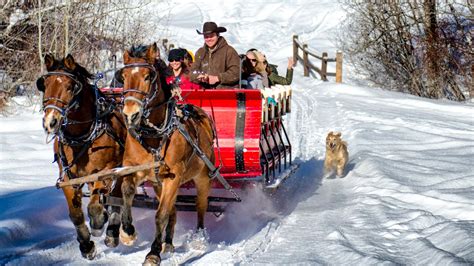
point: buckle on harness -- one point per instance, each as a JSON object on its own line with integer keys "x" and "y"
{"x": 213, "y": 173}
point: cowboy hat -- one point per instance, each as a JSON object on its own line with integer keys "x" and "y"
{"x": 210, "y": 27}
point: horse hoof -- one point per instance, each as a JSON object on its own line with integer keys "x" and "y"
{"x": 152, "y": 260}
{"x": 88, "y": 251}
{"x": 167, "y": 248}
{"x": 97, "y": 232}
{"x": 111, "y": 242}
{"x": 126, "y": 239}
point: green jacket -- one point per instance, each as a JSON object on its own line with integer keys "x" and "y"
{"x": 274, "y": 79}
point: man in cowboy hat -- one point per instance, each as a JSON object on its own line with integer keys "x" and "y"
{"x": 216, "y": 62}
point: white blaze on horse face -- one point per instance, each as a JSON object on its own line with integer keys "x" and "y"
{"x": 132, "y": 106}
{"x": 51, "y": 120}
{"x": 59, "y": 80}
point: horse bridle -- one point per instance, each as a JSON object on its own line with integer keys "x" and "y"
{"x": 167, "y": 126}
{"x": 65, "y": 106}
{"x": 148, "y": 96}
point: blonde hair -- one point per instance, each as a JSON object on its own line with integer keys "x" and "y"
{"x": 259, "y": 67}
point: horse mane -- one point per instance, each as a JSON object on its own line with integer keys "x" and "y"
{"x": 138, "y": 51}
{"x": 82, "y": 72}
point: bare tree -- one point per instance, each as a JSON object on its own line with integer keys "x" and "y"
{"x": 423, "y": 47}
{"x": 91, "y": 30}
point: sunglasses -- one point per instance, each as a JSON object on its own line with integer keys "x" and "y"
{"x": 174, "y": 60}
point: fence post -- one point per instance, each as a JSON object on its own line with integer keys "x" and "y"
{"x": 324, "y": 67}
{"x": 295, "y": 49}
{"x": 339, "y": 67}
{"x": 305, "y": 60}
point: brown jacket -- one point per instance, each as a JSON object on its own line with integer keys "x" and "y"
{"x": 223, "y": 61}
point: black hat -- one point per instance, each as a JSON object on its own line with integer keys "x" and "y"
{"x": 210, "y": 27}
{"x": 176, "y": 54}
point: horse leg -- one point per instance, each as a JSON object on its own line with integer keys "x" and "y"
{"x": 168, "y": 245}
{"x": 98, "y": 215}
{"x": 162, "y": 218}
{"x": 113, "y": 228}
{"x": 74, "y": 202}
{"x": 112, "y": 233}
{"x": 203, "y": 186}
{"x": 128, "y": 235}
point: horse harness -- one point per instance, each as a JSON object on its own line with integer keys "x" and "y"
{"x": 98, "y": 128}
{"x": 175, "y": 114}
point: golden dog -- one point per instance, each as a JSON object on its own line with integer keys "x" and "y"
{"x": 336, "y": 154}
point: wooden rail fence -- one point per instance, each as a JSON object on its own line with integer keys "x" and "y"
{"x": 307, "y": 65}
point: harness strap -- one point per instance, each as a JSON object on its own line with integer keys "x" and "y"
{"x": 150, "y": 130}
{"x": 157, "y": 152}
{"x": 133, "y": 99}
{"x": 215, "y": 135}
{"x": 97, "y": 129}
{"x": 109, "y": 110}
{"x": 136, "y": 136}
{"x": 213, "y": 171}
{"x": 109, "y": 131}
{"x": 54, "y": 107}
{"x": 66, "y": 168}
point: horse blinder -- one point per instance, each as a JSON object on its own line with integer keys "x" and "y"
{"x": 40, "y": 84}
{"x": 41, "y": 87}
{"x": 118, "y": 76}
{"x": 152, "y": 76}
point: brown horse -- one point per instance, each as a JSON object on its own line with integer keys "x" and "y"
{"x": 157, "y": 133}
{"x": 88, "y": 137}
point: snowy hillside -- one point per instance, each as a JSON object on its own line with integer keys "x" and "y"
{"x": 406, "y": 199}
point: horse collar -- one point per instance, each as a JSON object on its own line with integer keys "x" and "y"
{"x": 163, "y": 131}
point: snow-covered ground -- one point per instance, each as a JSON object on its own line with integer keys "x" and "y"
{"x": 406, "y": 199}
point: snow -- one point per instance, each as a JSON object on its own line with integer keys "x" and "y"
{"x": 406, "y": 198}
